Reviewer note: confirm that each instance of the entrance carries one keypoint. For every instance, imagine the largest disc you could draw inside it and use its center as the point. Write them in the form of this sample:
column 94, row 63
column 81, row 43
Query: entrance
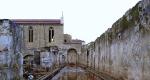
column 72, row 56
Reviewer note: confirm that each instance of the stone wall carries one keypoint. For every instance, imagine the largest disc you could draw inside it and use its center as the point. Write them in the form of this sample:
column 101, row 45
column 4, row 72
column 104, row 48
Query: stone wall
column 11, row 62
column 41, row 35
column 123, row 51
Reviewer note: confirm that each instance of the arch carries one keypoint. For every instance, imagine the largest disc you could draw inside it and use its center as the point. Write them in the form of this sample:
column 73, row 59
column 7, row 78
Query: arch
column 28, row 59
column 30, row 33
column 71, row 50
column 72, row 56
column 51, row 34
column 28, row 55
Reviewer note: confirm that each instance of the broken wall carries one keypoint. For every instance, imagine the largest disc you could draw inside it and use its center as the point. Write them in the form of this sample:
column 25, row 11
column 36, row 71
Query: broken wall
column 11, row 60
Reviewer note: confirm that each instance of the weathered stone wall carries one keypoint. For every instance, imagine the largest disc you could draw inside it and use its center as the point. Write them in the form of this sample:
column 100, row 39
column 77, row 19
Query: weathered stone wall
column 41, row 36
column 64, row 42
column 123, row 51
column 11, row 62
column 47, row 59
column 67, row 38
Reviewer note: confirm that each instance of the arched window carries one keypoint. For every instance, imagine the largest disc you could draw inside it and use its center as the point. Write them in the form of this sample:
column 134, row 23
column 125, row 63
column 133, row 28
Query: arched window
column 51, row 34
column 30, row 34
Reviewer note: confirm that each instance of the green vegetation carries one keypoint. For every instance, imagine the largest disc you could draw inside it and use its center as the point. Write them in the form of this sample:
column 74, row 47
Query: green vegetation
column 15, row 66
column 110, row 37
column 123, row 23
column 135, row 13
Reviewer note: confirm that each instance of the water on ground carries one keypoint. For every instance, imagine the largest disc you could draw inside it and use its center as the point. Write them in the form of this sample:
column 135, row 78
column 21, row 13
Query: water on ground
column 74, row 73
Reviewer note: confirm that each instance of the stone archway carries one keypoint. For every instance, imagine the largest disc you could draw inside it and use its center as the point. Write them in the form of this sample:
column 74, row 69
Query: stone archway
column 72, row 56
column 28, row 59
column 28, row 63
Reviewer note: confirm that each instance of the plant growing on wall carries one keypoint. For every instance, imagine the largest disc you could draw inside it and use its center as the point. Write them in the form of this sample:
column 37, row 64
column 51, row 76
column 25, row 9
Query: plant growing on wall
column 124, row 24
column 135, row 13
column 15, row 67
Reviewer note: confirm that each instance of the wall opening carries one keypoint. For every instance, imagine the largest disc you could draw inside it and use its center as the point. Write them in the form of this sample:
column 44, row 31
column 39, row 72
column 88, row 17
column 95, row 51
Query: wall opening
column 51, row 34
column 72, row 56
column 30, row 34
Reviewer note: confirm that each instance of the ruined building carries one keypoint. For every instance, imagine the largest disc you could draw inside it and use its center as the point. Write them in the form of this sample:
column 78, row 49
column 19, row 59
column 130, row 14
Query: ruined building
column 122, row 52
column 40, row 42
column 44, row 41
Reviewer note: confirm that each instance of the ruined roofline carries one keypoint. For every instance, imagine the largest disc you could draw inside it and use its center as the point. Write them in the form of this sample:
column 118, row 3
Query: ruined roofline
column 38, row 21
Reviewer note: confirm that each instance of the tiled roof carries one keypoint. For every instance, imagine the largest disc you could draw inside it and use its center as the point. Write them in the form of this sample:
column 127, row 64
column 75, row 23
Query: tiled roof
column 38, row 21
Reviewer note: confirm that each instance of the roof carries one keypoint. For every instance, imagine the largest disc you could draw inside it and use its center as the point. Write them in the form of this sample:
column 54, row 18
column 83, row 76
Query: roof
column 75, row 41
column 38, row 21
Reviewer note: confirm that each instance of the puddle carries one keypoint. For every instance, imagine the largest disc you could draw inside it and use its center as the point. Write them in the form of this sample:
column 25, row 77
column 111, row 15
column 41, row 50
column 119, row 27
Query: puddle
column 74, row 73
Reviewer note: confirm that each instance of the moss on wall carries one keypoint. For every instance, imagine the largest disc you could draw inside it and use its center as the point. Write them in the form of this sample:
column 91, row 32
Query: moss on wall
column 135, row 13
column 123, row 24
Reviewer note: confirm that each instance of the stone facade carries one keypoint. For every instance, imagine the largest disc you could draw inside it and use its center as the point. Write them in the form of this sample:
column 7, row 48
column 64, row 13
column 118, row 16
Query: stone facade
column 41, row 36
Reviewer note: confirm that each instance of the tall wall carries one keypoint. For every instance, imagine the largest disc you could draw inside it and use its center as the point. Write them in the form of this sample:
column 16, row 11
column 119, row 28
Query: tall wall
column 11, row 62
column 123, row 51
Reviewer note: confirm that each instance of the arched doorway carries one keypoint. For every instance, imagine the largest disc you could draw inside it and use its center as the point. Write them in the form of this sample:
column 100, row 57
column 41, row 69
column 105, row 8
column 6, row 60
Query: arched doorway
column 27, row 64
column 28, row 59
column 72, row 56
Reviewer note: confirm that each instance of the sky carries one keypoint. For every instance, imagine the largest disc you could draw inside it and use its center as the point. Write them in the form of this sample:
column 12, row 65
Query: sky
column 83, row 19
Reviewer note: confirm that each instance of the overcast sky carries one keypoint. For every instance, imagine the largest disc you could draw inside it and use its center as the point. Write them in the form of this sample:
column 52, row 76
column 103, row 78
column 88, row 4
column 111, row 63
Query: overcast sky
column 83, row 19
